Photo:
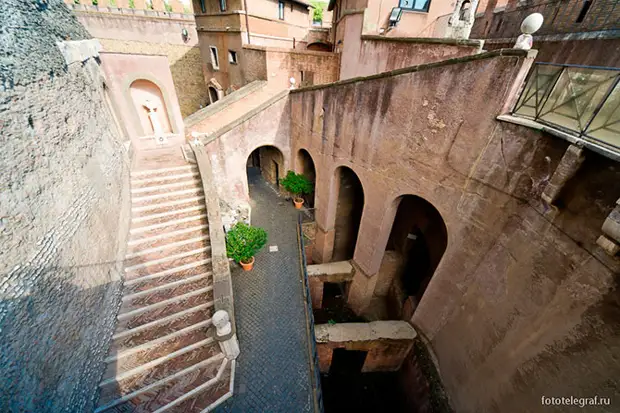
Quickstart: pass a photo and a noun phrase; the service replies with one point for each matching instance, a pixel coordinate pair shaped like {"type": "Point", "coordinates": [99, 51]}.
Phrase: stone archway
{"type": "Point", "coordinates": [269, 162]}
{"type": "Point", "coordinates": [305, 165]}
{"type": "Point", "coordinates": [149, 104]}
{"type": "Point", "coordinates": [417, 242]}
{"type": "Point", "coordinates": [348, 213]}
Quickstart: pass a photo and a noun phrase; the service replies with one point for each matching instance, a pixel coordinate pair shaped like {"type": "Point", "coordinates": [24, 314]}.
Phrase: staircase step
{"type": "Point", "coordinates": [173, 235]}
{"type": "Point", "coordinates": [138, 317]}
{"type": "Point", "coordinates": [166, 224]}
{"type": "Point", "coordinates": [138, 182]}
{"type": "Point", "coordinates": [164, 292]}
{"type": "Point", "coordinates": [167, 263]}
{"type": "Point", "coordinates": [166, 187]}
{"type": "Point", "coordinates": [204, 395]}
{"type": "Point", "coordinates": [163, 391]}
{"type": "Point", "coordinates": [156, 370]}
{"type": "Point", "coordinates": [137, 211]}
{"type": "Point", "coordinates": [130, 359]}
{"type": "Point", "coordinates": [162, 216]}
{"type": "Point", "coordinates": [167, 325]}
{"type": "Point", "coordinates": [137, 201]}
{"type": "Point", "coordinates": [158, 278]}
{"type": "Point", "coordinates": [174, 249]}
{"type": "Point", "coordinates": [150, 173]}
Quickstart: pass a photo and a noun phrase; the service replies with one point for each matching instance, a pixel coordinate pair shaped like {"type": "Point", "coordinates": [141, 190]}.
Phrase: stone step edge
{"type": "Point", "coordinates": [165, 224]}
{"type": "Point", "coordinates": [137, 199]}
{"type": "Point", "coordinates": [161, 382]}
{"type": "Point", "coordinates": [163, 303]}
{"type": "Point", "coordinates": [167, 204]}
{"type": "Point", "coordinates": [154, 363]}
{"type": "Point", "coordinates": [194, 182]}
{"type": "Point", "coordinates": [165, 178]}
{"type": "Point", "coordinates": [157, 341]}
{"type": "Point", "coordinates": [173, 284]}
{"type": "Point", "coordinates": [163, 247]}
{"type": "Point", "coordinates": [185, 254]}
{"type": "Point", "coordinates": [165, 235]}
{"type": "Point", "coordinates": [167, 213]}
{"type": "Point", "coordinates": [195, 391]}
{"type": "Point", "coordinates": [228, 395]}
{"type": "Point", "coordinates": [169, 271]}
{"type": "Point", "coordinates": [162, 170]}
{"type": "Point", "coordinates": [129, 332]}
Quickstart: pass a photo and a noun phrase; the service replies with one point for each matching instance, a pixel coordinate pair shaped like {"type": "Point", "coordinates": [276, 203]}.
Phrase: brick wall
{"type": "Point", "coordinates": [63, 201]}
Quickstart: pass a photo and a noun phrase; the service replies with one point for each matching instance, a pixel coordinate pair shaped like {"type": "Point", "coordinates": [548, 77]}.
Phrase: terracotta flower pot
{"type": "Point", "coordinates": [298, 202]}
{"type": "Point", "coordinates": [247, 266]}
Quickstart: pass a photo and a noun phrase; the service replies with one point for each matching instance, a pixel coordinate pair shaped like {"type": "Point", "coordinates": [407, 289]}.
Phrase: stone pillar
{"type": "Point", "coordinates": [323, 245]}
{"type": "Point", "coordinates": [570, 163]}
{"type": "Point", "coordinates": [361, 290]}
{"type": "Point", "coordinates": [316, 292]}
{"type": "Point", "coordinates": [224, 334]}
{"type": "Point", "coordinates": [610, 241]}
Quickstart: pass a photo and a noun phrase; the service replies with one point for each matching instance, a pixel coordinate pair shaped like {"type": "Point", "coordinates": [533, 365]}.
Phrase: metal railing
{"type": "Point", "coordinates": [314, 358]}
{"type": "Point", "coordinates": [561, 16]}
{"type": "Point", "coordinates": [583, 101]}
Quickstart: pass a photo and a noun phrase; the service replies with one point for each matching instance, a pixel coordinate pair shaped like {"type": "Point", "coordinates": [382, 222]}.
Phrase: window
{"type": "Point", "coordinates": [416, 5]}
{"type": "Point", "coordinates": [281, 10]}
{"type": "Point", "coordinates": [584, 11]}
{"type": "Point", "coordinates": [214, 58]}
{"type": "Point", "coordinates": [222, 5]}
{"type": "Point", "coordinates": [232, 57]}
{"type": "Point", "coordinates": [202, 6]}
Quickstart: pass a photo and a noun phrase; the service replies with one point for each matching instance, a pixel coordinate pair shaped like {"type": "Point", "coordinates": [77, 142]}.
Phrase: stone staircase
{"type": "Point", "coordinates": [163, 356]}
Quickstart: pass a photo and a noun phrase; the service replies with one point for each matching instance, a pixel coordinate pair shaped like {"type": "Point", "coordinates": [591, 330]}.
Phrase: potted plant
{"type": "Point", "coordinates": [298, 185]}
{"type": "Point", "coordinates": [243, 241]}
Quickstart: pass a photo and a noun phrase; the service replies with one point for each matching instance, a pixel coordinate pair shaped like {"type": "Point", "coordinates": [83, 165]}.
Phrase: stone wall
{"type": "Point", "coordinates": [63, 206]}
{"type": "Point", "coordinates": [282, 64]}
{"type": "Point", "coordinates": [267, 125]}
{"type": "Point", "coordinates": [523, 303]}
{"type": "Point", "coordinates": [152, 35]}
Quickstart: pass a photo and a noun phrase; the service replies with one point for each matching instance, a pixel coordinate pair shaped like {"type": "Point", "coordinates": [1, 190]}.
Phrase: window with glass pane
{"type": "Point", "coordinates": [203, 8]}
{"type": "Point", "coordinates": [281, 10]}
{"type": "Point", "coordinates": [417, 5]}
{"type": "Point", "coordinates": [222, 5]}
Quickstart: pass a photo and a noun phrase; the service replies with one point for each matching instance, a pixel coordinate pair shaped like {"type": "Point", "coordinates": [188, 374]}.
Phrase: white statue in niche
{"type": "Point", "coordinates": [158, 130]}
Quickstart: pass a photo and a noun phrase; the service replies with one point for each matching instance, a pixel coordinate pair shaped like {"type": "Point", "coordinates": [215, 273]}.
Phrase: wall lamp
{"type": "Point", "coordinates": [395, 16]}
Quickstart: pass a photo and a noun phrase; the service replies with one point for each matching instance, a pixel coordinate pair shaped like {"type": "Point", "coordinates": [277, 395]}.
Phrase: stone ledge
{"type": "Point", "coordinates": [291, 51]}
{"type": "Point", "coordinates": [419, 68]}
{"type": "Point", "coordinates": [221, 104]}
{"type": "Point", "coordinates": [426, 40]}
{"type": "Point", "coordinates": [376, 330]}
{"type": "Point", "coordinates": [341, 271]}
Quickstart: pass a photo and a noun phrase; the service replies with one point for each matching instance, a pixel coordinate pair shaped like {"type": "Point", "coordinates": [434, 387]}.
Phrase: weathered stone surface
{"type": "Point", "coordinates": [63, 212]}
{"type": "Point", "coordinates": [611, 226]}
{"type": "Point", "coordinates": [569, 164]}
{"type": "Point", "coordinates": [339, 271]}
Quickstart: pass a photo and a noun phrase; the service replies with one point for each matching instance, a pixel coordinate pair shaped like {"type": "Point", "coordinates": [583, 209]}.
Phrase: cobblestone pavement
{"type": "Point", "coordinates": [273, 373]}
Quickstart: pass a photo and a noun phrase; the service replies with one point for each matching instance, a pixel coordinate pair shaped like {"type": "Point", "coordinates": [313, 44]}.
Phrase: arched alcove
{"type": "Point", "coordinates": [213, 95]}
{"type": "Point", "coordinates": [305, 165]}
{"type": "Point", "coordinates": [150, 106]}
{"type": "Point", "coordinates": [348, 213]}
{"type": "Point", "coordinates": [417, 242]}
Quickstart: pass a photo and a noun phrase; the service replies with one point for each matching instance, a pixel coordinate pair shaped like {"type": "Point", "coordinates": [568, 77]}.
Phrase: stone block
{"type": "Point", "coordinates": [569, 164]}
{"type": "Point", "coordinates": [610, 247]}
{"type": "Point", "coordinates": [611, 226]}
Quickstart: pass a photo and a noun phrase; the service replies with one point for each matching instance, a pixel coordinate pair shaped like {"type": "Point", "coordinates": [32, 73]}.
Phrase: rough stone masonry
{"type": "Point", "coordinates": [62, 192]}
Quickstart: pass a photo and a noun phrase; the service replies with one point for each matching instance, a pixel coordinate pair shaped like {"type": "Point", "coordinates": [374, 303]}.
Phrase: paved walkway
{"type": "Point", "coordinates": [273, 373]}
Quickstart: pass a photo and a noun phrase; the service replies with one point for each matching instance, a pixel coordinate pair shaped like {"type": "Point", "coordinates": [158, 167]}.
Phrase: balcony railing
{"type": "Point", "coordinates": [583, 101]}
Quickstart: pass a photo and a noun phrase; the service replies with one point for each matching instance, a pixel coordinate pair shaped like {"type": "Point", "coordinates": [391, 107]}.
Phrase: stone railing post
{"type": "Point", "coordinates": [224, 334]}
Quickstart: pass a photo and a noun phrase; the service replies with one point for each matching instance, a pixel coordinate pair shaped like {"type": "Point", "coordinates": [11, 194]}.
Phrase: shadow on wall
{"type": "Point", "coordinates": [190, 83]}
{"type": "Point", "coordinates": [55, 339]}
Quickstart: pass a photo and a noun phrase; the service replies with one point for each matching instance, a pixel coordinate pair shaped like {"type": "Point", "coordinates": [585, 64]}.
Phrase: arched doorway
{"type": "Point", "coordinates": [213, 96]}
{"type": "Point", "coordinates": [348, 213]}
{"type": "Point", "coordinates": [267, 161]}
{"type": "Point", "coordinates": [305, 165]}
{"type": "Point", "coordinates": [150, 106]}
{"type": "Point", "coordinates": [417, 242]}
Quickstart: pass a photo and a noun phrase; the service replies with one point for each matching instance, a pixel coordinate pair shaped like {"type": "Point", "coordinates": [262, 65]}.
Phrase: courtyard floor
{"type": "Point", "coordinates": [273, 370]}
